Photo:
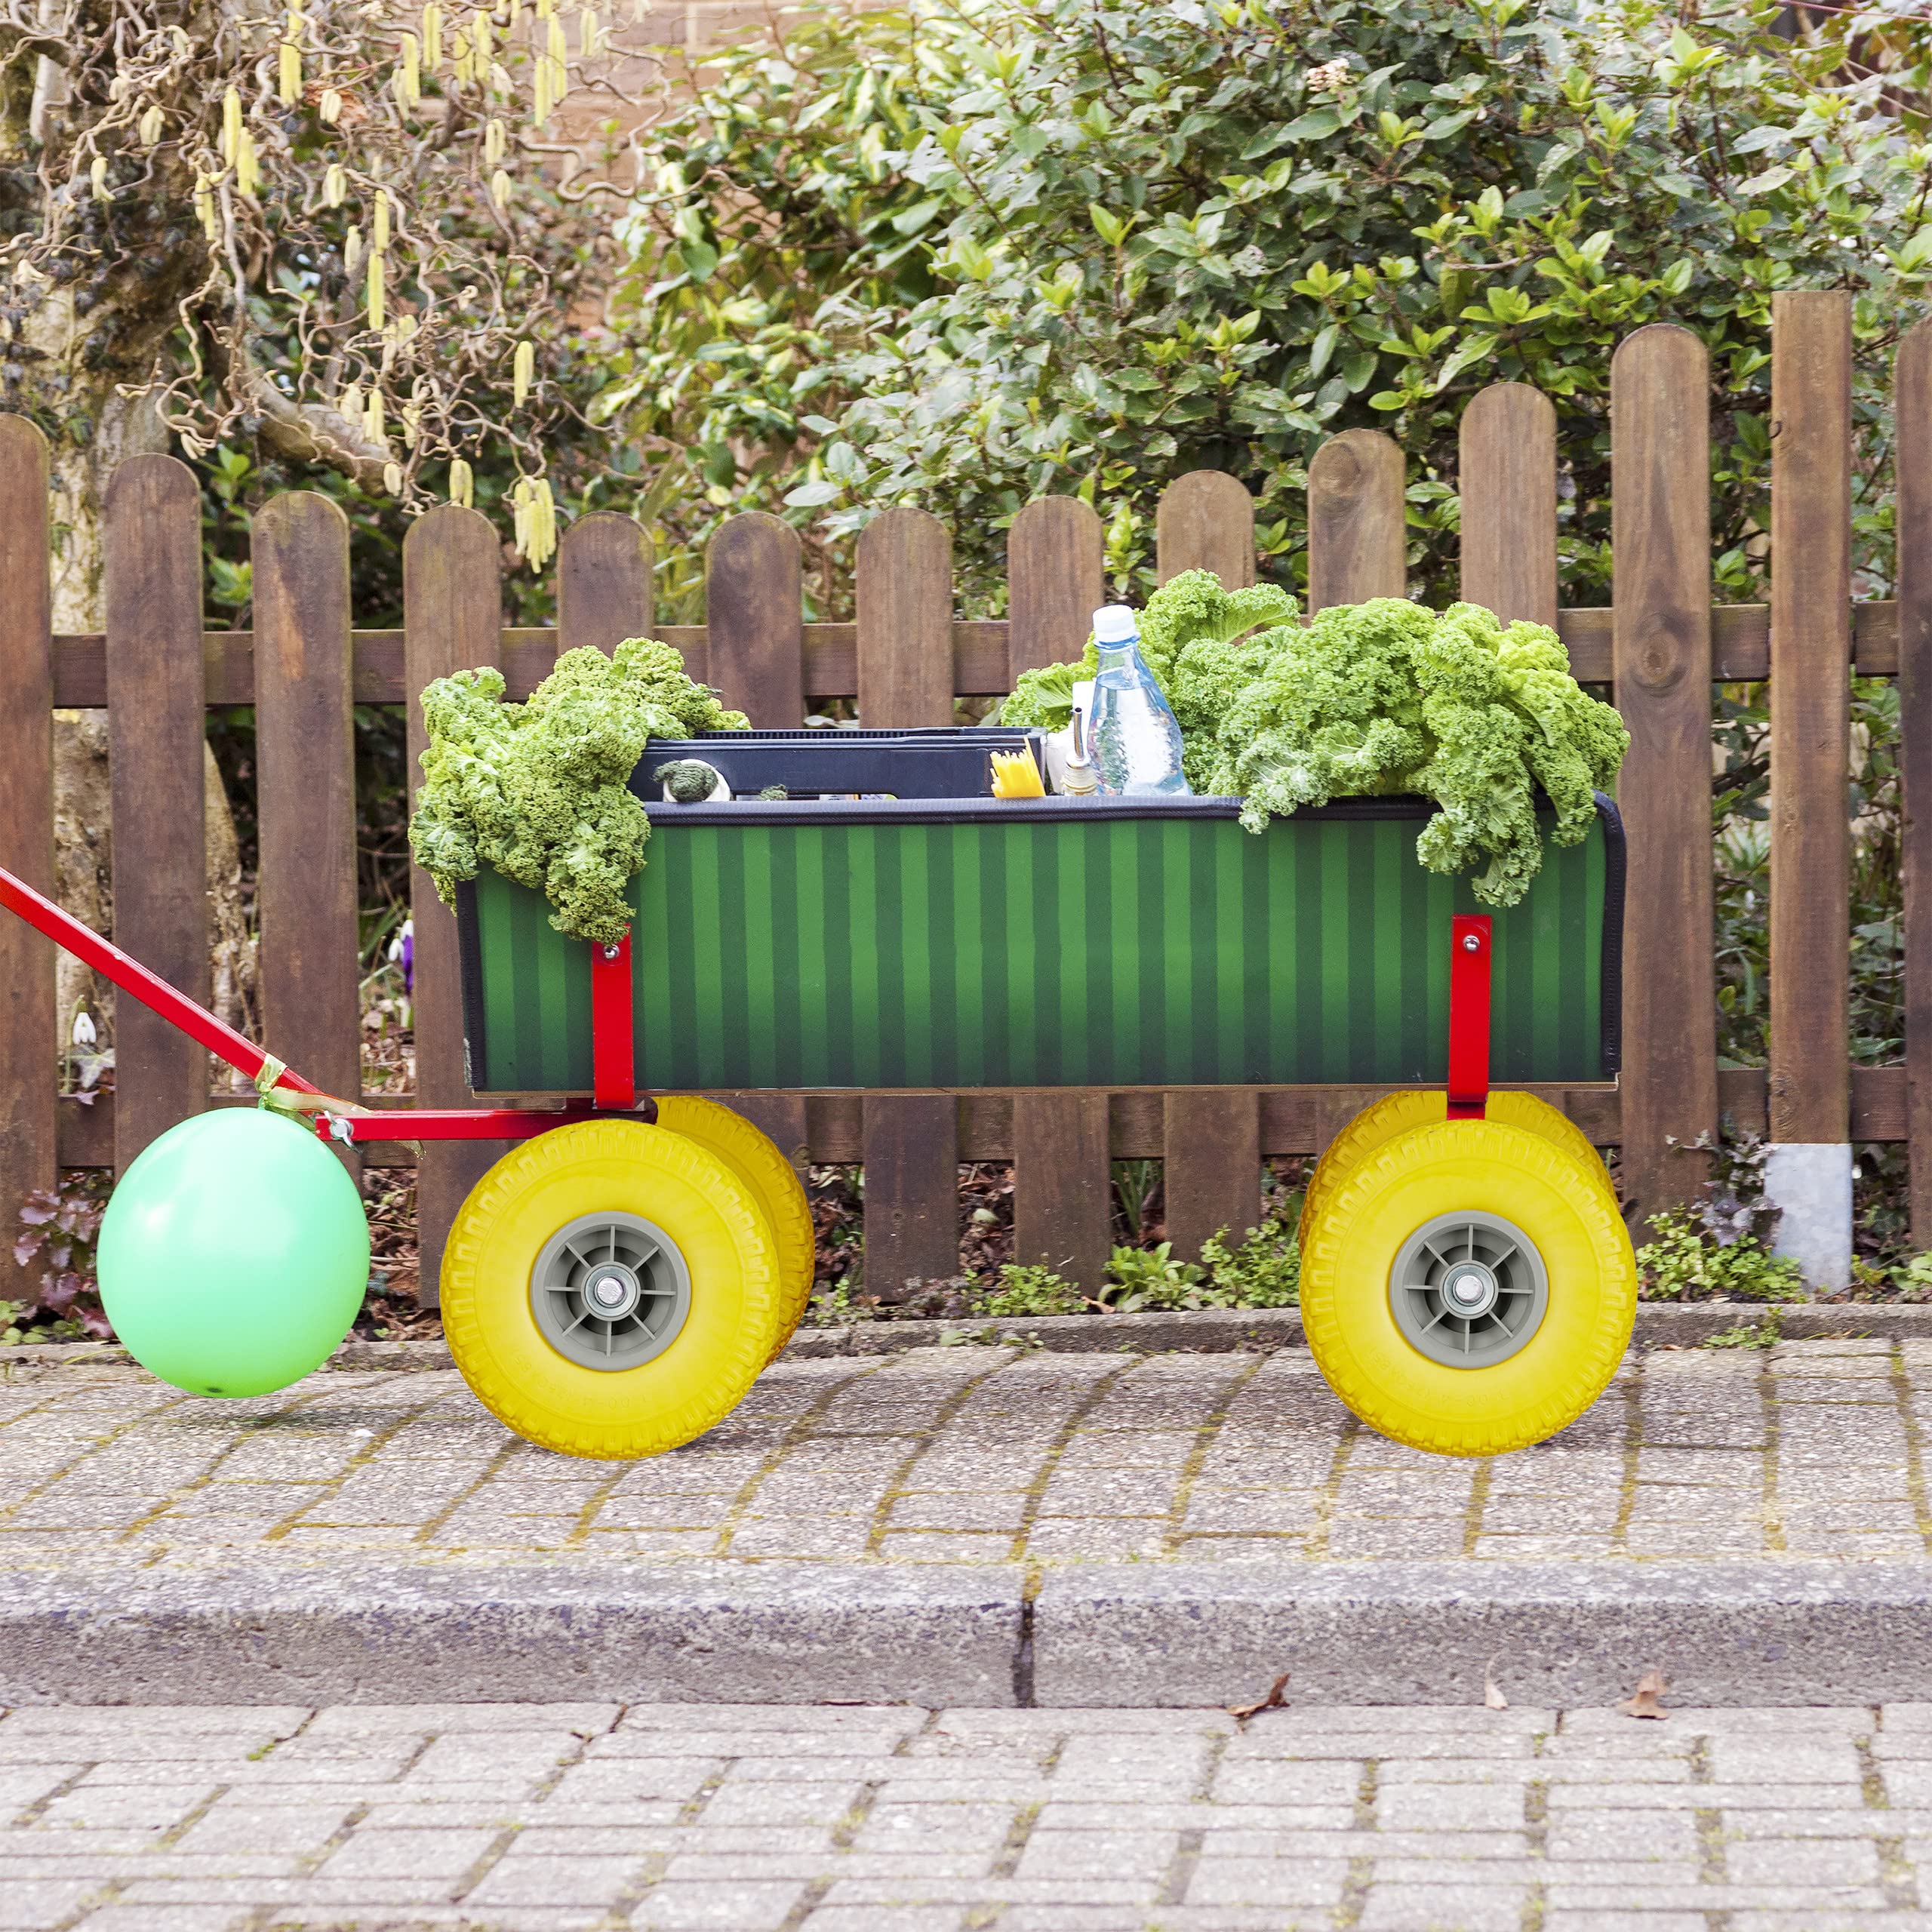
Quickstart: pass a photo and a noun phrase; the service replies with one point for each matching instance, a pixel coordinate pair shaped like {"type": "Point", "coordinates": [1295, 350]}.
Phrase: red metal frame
{"type": "Point", "coordinates": [1468, 1016]}
{"type": "Point", "coordinates": [610, 1040]}
{"type": "Point", "coordinates": [445, 1124]}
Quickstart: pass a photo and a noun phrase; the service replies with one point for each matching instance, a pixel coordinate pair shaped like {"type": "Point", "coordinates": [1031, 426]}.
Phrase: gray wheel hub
{"type": "Point", "coordinates": [609, 1290]}
{"type": "Point", "coordinates": [1468, 1290]}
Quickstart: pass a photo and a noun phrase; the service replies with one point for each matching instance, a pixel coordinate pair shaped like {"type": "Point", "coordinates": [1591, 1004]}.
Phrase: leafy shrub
{"type": "Point", "coordinates": [965, 256]}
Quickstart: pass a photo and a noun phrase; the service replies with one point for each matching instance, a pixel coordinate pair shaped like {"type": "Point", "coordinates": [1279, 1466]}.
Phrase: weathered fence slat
{"type": "Point", "coordinates": [904, 596]}
{"type": "Point", "coordinates": [1811, 698]}
{"type": "Point", "coordinates": [29, 1025]}
{"type": "Point", "coordinates": [304, 756]}
{"type": "Point", "coordinates": [1357, 550]}
{"type": "Point", "coordinates": [1205, 521]}
{"type": "Point", "coordinates": [754, 605]}
{"type": "Point", "coordinates": [452, 614]}
{"type": "Point", "coordinates": [1357, 531]}
{"type": "Point", "coordinates": [603, 583]}
{"type": "Point", "coordinates": [1211, 1174]}
{"type": "Point", "coordinates": [1063, 1190]}
{"type": "Point", "coordinates": [1913, 459]}
{"type": "Point", "coordinates": [157, 751]}
{"type": "Point", "coordinates": [1661, 525]}
{"type": "Point", "coordinates": [1508, 502]}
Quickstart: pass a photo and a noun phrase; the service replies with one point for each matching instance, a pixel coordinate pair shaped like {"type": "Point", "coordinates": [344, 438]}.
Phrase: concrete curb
{"type": "Point", "coordinates": [1557, 1634]}
{"type": "Point", "coordinates": [794, 1633]}
{"type": "Point", "coordinates": [1196, 1331]}
{"type": "Point", "coordinates": [1724, 1633]}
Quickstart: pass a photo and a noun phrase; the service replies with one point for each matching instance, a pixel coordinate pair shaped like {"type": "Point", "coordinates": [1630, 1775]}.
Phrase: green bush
{"type": "Point", "coordinates": [967, 256]}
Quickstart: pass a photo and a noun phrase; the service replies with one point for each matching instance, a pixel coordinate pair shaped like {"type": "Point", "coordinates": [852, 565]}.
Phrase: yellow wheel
{"type": "Point", "coordinates": [1466, 1291]}
{"type": "Point", "coordinates": [774, 1185]}
{"type": "Point", "coordinates": [610, 1289]}
{"type": "Point", "coordinates": [1396, 1113]}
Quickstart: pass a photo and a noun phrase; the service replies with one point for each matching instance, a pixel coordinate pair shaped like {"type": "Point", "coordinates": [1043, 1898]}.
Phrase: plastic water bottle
{"type": "Point", "coordinates": [1134, 743]}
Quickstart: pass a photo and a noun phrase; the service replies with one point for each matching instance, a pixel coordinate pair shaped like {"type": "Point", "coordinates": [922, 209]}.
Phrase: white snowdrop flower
{"type": "Point", "coordinates": [84, 1033]}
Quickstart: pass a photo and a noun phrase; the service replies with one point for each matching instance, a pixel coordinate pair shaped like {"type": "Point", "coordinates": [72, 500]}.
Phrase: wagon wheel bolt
{"type": "Point", "coordinates": [1471, 943]}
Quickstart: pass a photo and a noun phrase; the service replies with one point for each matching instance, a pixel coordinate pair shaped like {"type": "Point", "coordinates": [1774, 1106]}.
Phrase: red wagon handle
{"type": "Point", "coordinates": [131, 976]}
{"type": "Point", "coordinates": [348, 1120]}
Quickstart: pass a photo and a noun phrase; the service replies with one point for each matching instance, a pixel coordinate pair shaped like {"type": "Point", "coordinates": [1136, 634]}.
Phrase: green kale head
{"type": "Point", "coordinates": [540, 790]}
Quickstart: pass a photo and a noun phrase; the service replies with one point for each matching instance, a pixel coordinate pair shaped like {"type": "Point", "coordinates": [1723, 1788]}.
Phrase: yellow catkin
{"type": "Point", "coordinates": [461, 61]}
{"type": "Point", "coordinates": [482, 52]}
{"type": "Point", "coordinates": [352, 250]}
{"type": "Point", "coordinates": [392, 479]}
{"type": "Point", "coordinates": [97, 177]}
{"type": "Point", "coordinates": [462, 484]}
{"type": "Point", "coordinates": [290, 78]}
{"type": "Point", "coordinates": [412, 424]}
{"type": "Point", "coordinates": [350, 404]}
{"type": "Point", "coordinates": [588, 35]}
{"type": "Point", "coordinates": [546, 509]}
{"type": "Point", "coordinates": [379, 227]}
{"type": "Point", "coordinates": [330, 107]}
{"type": "Point", "coordinates": [230, 126]}
{"type": "Point", "coordinates": [154, 125]}
{"type": "Point", "coordinates": [409, 73]}
{"type": "Point", "coordinates": [559, 48]}
{"type": "Point", "coordinates": [540, 103]}
{"type": "Point", "coordinates": [335, 186]}
{"type": "Point", "coordinates": [377, 291]}
{"type": "Point", "coordinates": [495, 143]}
{"type": "Point", "coordinates": [433, 36]}
{"type": "Point", "coordinates": [513, 18]}
{"type": "Point", "coordinates": [501, 189]}
{"type": "Point", "coordinates": [204, 206]}
{"type": "Point", "coordinates": [523, 371]}
{"type": "Point", "coordinates": [247, 169]}
{"type": "Point", "coordinates": [373, 426]}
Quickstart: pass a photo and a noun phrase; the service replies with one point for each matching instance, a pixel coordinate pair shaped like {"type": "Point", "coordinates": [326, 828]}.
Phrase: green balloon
{"type": "Point", "coordinates": [234, 1253]}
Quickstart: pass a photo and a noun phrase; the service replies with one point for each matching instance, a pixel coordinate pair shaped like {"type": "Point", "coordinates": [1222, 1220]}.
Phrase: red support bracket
{"type": "Point", "coordinates": [1468, 1016]}
{"type": "Point", "coordinates": [613, 1078]}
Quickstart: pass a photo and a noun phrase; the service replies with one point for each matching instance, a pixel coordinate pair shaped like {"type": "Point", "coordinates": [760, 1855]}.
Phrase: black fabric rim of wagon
{"type": "Point", "coordinates": [893, 811]}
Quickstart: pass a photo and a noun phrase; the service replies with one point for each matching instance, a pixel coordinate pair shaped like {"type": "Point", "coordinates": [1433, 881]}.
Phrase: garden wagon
{"type": "Point", "coordinates": [613, 1285]}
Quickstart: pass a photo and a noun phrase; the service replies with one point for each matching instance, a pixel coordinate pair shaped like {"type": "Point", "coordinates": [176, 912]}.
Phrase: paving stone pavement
{"type": "Point", "coordinates": [974, 1456]}
{"type": "Point", "coordinates": [550, 1818]}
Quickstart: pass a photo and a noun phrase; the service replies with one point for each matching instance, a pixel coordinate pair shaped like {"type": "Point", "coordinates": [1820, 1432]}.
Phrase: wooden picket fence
{"type": "Point", "coordinates": [1659, 647]}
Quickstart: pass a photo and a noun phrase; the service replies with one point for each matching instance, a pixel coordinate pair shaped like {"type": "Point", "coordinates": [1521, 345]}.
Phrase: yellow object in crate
{"type": "Point", "coordinates": [1016, 776]}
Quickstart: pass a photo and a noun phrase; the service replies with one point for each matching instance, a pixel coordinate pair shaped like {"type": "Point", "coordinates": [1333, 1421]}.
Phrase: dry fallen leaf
{"type": "Point", "coordinates": [1649, 1687]}
{"type": "Point", "coordinates": [1240, 1713]}
{"type": "Point", "coordinates": [1491, 1696]}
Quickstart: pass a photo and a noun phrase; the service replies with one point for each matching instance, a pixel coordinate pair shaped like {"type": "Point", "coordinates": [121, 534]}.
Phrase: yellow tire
{"type": "Point", "coordinates": [1396, 1113]}
{"type": "Point", "coordinates": [774, 1185]}
{"type": "Point", "coordinates": [610, 1208]}
{"type": "Point", "coordinates": [1391, 1246]}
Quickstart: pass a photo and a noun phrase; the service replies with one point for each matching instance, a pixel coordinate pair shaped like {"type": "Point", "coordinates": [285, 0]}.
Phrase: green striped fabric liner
{"type": "Point", "coordinates": [1134, 951]}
